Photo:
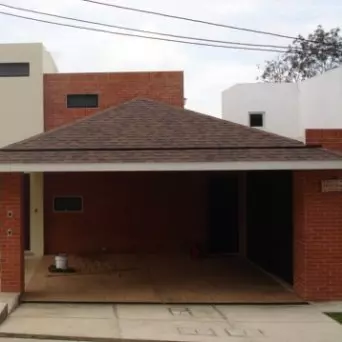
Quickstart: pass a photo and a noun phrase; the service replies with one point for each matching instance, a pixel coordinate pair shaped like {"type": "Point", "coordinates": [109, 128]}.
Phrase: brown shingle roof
{"type": "Point", "coordinates": [148, 131]}
{"type": "Point", "coordinates": [146, 124]}
{"type": "Point", "coordinates": [168, 156]}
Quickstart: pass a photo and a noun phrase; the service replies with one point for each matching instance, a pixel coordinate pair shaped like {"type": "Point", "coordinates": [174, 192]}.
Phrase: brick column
{"type": "Point", "coordinates": [11, 237]}
{"type": "Point", "coordinates": [317, 237]}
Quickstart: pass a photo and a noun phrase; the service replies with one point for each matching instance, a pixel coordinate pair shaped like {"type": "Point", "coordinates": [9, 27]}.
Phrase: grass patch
{"type": "Point", "coordinates": [337, 316]}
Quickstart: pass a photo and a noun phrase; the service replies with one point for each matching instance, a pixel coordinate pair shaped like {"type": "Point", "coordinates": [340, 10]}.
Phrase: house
{"type": "Point", "coordinates": [173, 205]}
{"type": "Point", "coordinates": [295, 110]}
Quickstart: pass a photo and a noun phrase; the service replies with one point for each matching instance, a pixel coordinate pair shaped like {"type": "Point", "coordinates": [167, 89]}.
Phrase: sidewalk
{"type": "Point", "coordinates": [172, 323]}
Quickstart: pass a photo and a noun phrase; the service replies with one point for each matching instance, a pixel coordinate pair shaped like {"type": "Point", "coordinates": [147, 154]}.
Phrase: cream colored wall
{"type": "Point", "coordinates": [22, 116]}
{"type": "Point", "coordinates": [37, 213]}
{"type": "Point", "coordinates": [49, 65]}
{"type": "Point", "coordinates": [21, 98]}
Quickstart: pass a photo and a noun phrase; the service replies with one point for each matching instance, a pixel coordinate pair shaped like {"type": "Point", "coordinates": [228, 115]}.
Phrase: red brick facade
{"type": "Point", "coordinates": [11, 237]}
{"type": "Point", "coordinates": [112, 88]}
{"type": "Point", "coordinates": [318, 226]}
{"type": "Point", "coordinates": [139, 212]}
{"type": "Point", "coordinates": [317, 237]}
{"type": "Point", "coordinates": [328, 138]}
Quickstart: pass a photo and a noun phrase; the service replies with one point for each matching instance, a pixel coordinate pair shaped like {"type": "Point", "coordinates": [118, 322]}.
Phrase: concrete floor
{"type": "Point", "coordinates": [190, 323]}
{"type": "Point", "coordinates": [130, 278]}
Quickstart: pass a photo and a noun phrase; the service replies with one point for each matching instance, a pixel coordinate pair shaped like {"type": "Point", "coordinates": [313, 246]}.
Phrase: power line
{"type": "Point", "coordinates": [143, 31]}
{"type": "Point", "coordinates": [166, 15]}
{"type": "Point", "coordinates": [139, 36]}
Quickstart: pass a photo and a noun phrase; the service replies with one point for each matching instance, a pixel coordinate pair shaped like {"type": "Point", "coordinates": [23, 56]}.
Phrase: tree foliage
{"type": "Point", "coordinates": [305, 58]}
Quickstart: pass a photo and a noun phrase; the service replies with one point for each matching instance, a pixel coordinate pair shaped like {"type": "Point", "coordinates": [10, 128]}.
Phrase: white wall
{"type": "Point", "coordinates": [21, 114]}
{"type": "Point", "coordinates": [289, 108]}
{"type": "Point", "coordinates": [321, 100]}
{"type": "Point", "coordinates": [279, 102]}
{"type": "Point", "coordinates": [49, 65]}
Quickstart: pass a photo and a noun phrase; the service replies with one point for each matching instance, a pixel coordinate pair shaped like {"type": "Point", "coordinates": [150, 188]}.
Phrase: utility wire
{"type": "Point", "coordinates": [139, 36]}
{"type": "Point", "coordinates": [142, 31]}
{"type": "Point", "coordinates": [166, 15]}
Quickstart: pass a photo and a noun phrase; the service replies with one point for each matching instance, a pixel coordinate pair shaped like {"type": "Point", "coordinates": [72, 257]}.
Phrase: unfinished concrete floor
{"type": "Point", "coordinates": [155, 279]}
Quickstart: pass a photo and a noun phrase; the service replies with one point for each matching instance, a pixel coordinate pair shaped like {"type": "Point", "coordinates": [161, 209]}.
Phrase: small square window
{"type": "Point", "coordinates": [256, 119]}
{"type": "Point", "coordinates": [68, 204]}
{"type": "Point", "coordinates": [82, 101]}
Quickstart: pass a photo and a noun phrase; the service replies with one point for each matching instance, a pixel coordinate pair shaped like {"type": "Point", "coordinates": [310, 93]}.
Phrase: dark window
{"type": "Point", "coordinates": [256, 120]}
{"type": "Point", "coordinates": [67, 204]}
{"type": "Point", "coordinates": [14, 69]}
{"type": "Point", "coordinates": [82, 101]}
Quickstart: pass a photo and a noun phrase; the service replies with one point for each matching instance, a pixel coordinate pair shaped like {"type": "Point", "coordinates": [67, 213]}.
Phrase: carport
{"type": "Point", "coordinates": [154, 203]}
{"type": "Point", "coordinates": [152, 237]}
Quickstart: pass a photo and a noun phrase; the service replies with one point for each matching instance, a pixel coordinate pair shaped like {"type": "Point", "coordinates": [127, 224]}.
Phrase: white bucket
{"type": "Point", "coordinates": [61, 261]}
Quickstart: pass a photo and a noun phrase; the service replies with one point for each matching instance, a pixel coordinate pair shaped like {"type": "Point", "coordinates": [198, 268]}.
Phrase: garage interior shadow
{"type": "Point", "coordinates": [268, 218]}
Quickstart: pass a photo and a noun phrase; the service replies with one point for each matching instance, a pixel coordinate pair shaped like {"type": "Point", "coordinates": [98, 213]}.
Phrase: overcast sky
{"type": "Point", "coordinates": [208, 71]}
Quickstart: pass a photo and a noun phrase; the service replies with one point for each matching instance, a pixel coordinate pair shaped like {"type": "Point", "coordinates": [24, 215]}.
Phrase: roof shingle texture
{"type": "Point", "coordinates": [146, 124]}
{"type": "Point", "coordinates": [168, 156]}
{"type": "Point", "coordinates": [147, 131]}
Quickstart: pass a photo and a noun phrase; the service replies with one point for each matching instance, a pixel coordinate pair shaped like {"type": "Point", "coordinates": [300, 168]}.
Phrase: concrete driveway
{"type": "Point", "coordinates": [173, 323]}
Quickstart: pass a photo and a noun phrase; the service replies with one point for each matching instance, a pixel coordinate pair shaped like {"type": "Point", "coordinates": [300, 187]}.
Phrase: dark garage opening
{"type": "Point", "coordinates": [269, 221]}
{"type": "Point", "coordinates": [223, 213]}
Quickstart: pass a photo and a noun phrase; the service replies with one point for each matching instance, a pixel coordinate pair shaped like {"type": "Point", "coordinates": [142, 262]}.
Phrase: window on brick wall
{"type": "Point", "coordinates": [82, 101]}
{"type": "Point", "coordinates": [256, 119]}
{"type": "Point", "coordinates": [14, 69]}
{"type": "Point", "coordinates": [68, 204]}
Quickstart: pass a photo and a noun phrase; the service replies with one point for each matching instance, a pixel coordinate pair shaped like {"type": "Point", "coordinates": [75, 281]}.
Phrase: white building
{"type": "Point", "coordinates": [287, 108]}
{"type": "Point", "coordinates": [22, 68]}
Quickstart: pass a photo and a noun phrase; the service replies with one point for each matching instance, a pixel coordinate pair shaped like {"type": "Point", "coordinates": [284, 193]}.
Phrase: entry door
{"type": "Point", "coordinates": [223, 214]}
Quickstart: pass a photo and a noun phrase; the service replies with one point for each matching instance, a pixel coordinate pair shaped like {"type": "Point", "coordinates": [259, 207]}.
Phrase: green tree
{"type": "Point", "coordinates": [305, 58]}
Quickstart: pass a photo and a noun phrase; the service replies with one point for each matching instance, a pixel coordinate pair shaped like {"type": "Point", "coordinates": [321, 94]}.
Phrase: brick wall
{"type": "Point", "coordinates": [126, 212]}
{"type": "Point", "coordinates": [319, 226]}
{"type": "Point", "coordinates": [112, 88]}
{"type": "Point", "coordinates": [11, 237]}
{"type": "Point", "coordinates": [328, 138]}
{"type": "Point", "coordinates": [317, 237]}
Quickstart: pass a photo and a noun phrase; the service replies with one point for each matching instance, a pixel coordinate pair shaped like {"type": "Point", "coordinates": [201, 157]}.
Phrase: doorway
{"type": "Point", "coordinates": [269, 221]}
{"type": "Point", "coordinates": [223, 214]}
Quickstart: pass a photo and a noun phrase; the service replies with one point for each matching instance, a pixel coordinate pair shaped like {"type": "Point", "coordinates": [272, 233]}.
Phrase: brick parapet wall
{"type": "Point", "coordinates": [112, 88]}
{"type": "Point", "coordinates": [328, 138]}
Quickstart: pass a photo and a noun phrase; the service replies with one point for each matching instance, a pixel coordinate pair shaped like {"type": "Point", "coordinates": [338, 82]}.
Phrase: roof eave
{"type": "Point", "coordinates": [174, 166]}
